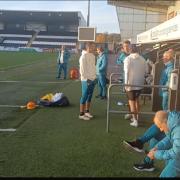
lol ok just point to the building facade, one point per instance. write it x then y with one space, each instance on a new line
139 16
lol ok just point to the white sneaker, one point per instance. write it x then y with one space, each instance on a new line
132 119
88 115
134 123
84 117
127 116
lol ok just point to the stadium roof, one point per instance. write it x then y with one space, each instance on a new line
150 5
49 17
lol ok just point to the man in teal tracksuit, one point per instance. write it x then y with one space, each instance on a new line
165 147
126 50
124 53
165 78
62 61
101 66
168 148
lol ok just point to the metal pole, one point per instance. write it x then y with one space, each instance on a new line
88 16
146 19
175 61
108 110
111 75
176 100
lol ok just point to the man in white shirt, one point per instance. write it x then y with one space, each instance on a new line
88 77
135 69
62 61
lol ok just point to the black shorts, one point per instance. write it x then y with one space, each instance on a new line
133 95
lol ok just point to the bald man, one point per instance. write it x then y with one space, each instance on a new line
165 77
165 147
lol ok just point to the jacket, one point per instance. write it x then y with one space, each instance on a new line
169 147
165 77
121 58
101 64
66 56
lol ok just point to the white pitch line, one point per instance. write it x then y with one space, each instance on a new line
13 106
39 82
8 130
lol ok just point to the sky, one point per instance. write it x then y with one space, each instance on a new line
102 15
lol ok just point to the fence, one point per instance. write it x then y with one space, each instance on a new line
124 112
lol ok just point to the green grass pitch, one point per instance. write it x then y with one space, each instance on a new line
53 142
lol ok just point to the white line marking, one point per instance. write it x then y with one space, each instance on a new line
10 106
39 82
14 106
8 130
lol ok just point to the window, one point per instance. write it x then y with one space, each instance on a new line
1 26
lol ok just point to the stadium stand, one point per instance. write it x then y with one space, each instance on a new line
42 29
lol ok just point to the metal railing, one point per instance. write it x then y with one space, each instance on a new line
124 112
113 74
121 82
